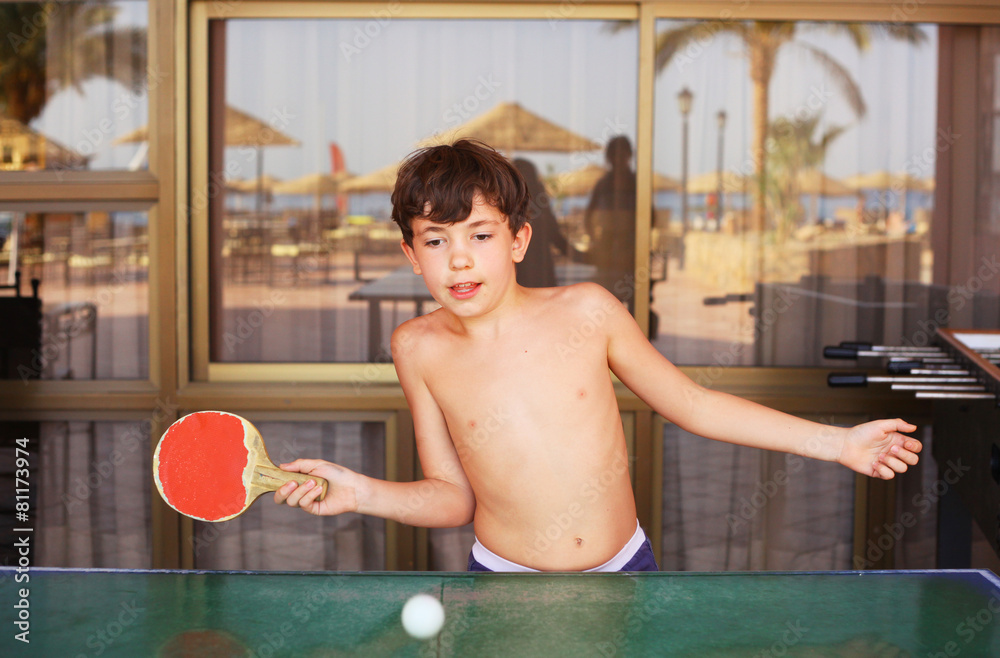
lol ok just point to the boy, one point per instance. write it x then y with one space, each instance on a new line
516 421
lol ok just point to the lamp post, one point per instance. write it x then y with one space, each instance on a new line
684 98
721 117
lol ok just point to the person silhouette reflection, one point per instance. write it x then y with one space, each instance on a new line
610 222
538 269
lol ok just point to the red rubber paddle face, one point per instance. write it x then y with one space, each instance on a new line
200 466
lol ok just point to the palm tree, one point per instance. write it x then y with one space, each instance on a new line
762 40
793 148
51 46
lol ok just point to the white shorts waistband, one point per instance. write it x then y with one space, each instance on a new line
494 562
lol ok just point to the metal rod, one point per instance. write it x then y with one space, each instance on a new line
944 395
878 379
937 371
925 359
935 387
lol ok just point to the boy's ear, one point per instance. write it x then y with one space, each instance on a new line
408 250
521 241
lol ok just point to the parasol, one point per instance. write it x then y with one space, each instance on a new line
241 129
509 127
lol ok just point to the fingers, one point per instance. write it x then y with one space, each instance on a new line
295 495
881 471
893 462
908 456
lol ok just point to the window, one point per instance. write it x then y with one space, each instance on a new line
308 122
833 242
80 310
74 85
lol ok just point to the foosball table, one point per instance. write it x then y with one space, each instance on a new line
960 372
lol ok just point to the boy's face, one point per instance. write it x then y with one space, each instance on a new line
468 266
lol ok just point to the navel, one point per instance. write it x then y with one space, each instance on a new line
579 541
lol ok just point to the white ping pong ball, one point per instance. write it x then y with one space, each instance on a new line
423 616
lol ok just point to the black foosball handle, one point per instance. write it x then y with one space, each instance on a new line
842 379
901 367
840 352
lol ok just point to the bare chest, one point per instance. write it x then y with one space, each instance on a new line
520 387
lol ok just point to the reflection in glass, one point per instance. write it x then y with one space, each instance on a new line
727 507
89 485
538 269
805 218
610 221
305 264
83 278
73 80
275 538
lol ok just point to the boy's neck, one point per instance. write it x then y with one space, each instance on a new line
497 320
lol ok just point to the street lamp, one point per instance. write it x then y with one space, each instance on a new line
721 117
684 98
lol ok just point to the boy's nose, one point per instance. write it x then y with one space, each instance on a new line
461 259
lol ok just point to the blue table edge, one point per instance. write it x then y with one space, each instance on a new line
985 573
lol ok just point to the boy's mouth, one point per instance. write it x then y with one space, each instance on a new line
464 290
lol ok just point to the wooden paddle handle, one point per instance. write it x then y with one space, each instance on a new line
270 478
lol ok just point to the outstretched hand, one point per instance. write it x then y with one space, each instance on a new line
879 449
341 495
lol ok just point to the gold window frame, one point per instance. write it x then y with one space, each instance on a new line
197 350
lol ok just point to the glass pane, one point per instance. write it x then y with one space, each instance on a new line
275 538
832 242
88 315
89 492
976 300
74 85
732 508
314 116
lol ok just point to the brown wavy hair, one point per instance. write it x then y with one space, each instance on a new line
439 183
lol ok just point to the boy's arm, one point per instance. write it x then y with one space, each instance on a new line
876 449
444 498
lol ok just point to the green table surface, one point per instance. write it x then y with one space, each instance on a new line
192 613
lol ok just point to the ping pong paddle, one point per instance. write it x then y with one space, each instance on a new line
211 465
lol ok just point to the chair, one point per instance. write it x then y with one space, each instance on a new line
21 338
64 324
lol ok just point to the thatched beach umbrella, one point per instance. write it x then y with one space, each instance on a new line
580 182
241 129
815 183
883 181
29 149
318 184
708 183
510 128
266 183
380 180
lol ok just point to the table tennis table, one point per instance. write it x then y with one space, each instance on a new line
75 612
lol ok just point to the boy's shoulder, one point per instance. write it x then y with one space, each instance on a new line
407 336
588 298
577 305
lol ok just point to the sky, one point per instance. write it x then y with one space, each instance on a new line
377 87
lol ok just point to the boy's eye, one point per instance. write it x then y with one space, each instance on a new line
433 243
482 237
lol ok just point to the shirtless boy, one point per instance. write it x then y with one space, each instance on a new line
516 421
